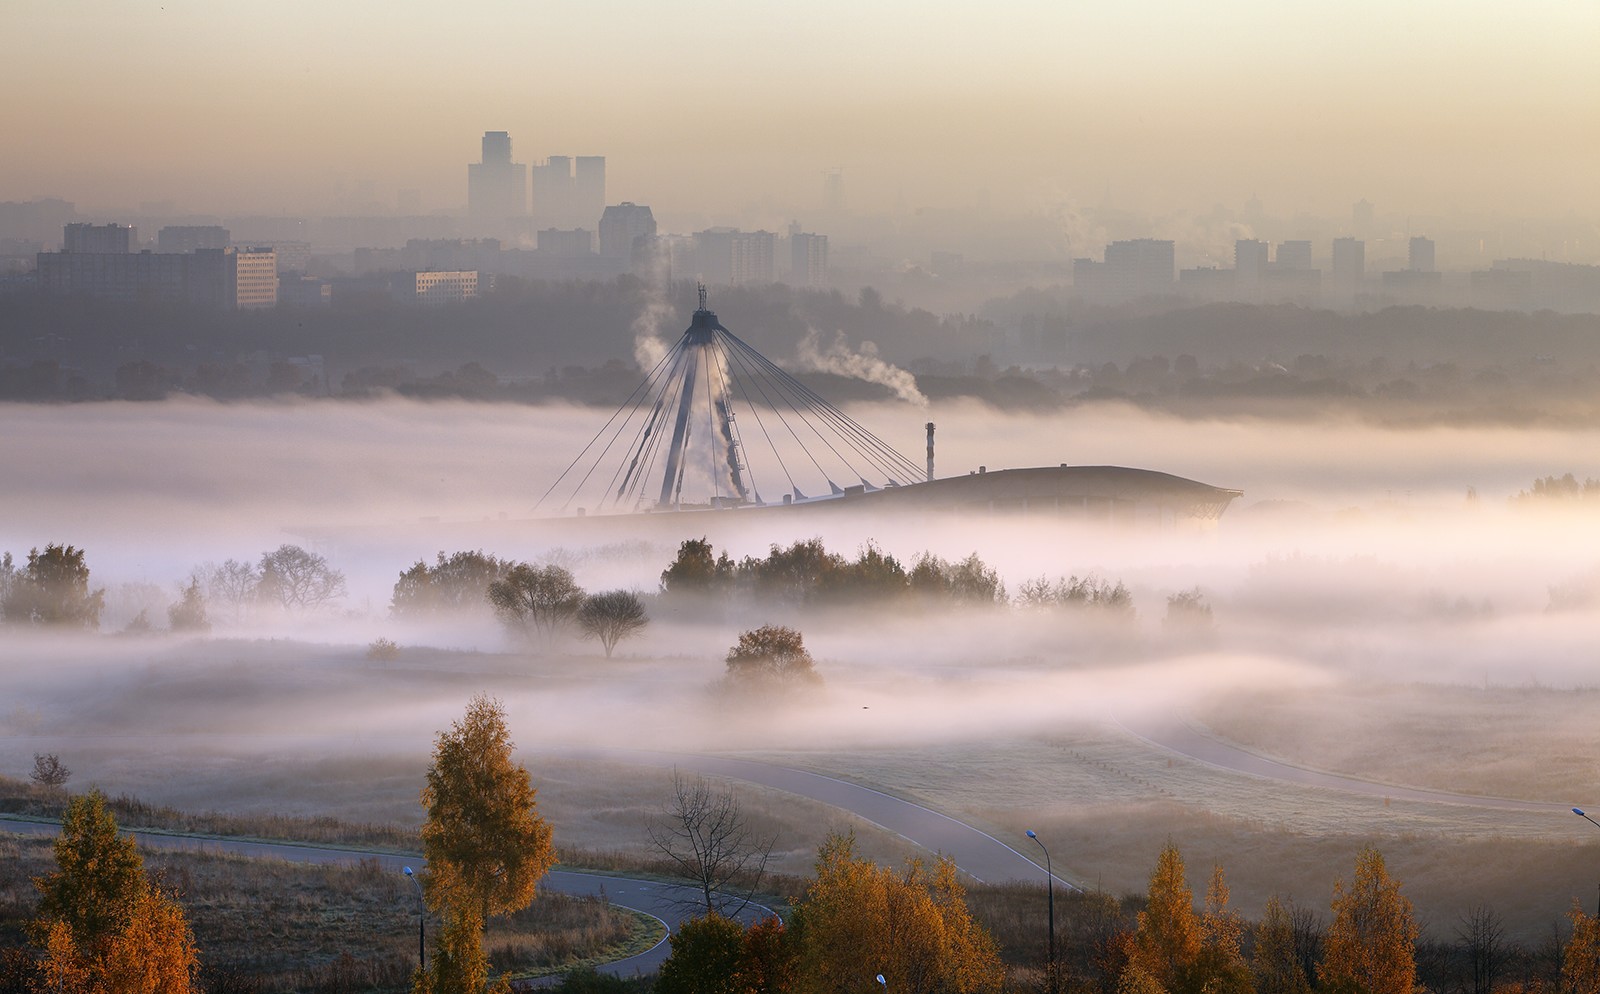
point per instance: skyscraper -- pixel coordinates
(1249, 262)
(1420, 256)
(1349, 262)
(497, 188)
(569, 192)
(621, 225)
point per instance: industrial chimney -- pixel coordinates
(930, 451)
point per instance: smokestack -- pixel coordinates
(930, 451)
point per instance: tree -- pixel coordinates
(1276, 965)
(1372, 941)
(48, 771)
(858, 919)
(1168, 940)
(454, 583)
(53, 589)
(710, 840)
(189, 613)
(232, 584)
(696, 570)
(1482, 936)
(297, 579)
(707, 953)
(611, 617)
(768, 656)
(486, 846)
(1580, 957)
(536, 600)
(104, 927)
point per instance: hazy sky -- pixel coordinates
(1421, 106)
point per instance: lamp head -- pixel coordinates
(882, 981)
(408, 872)
(1579, 812)
(1031, 835)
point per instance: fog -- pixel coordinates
(1356, 593)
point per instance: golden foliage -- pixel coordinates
(486, 846)
(104, 927)
(859, 920)
(1168, 940)
(1373, 939)
(1580, 957)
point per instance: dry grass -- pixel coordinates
(274, 925)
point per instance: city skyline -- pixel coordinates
(1445, 109)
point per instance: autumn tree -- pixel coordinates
(612, 616)
(104, 928)
(1168, 939)
(53, 589)
(1580, 957)
(298, 579)
(710, 840)
(231, 584)
(486, 846)
(770, 656)
(706, 956)
(536, 600)
(1276, 964)
(858, 919)
(1372, 942)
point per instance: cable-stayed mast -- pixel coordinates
(694, 390)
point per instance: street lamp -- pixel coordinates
(883, 983)
(1050, 888)
(422, 924)
(1596, 824)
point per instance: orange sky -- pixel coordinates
(1425, 107)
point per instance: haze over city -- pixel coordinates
(725, 110)
(1039, 436)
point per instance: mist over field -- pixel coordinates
(1368, 579)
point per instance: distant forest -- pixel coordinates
(1035, 350)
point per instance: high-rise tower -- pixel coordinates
(497, 188)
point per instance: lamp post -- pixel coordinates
(1050, 889)
(422, 924)
(1596, 824)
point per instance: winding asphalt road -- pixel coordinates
(669, 904)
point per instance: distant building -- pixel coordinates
(497, 188)
(189, 237)
(227, 278)
(1249, 263)
(103, 239)
(731, 257)
(1419, 258)
(808, 259)
(1142, 267)
(1294, 255)
(1349, 263)
(621, 227)
(566, 242)
(569, 192)
(1209, 283)
(437, 288)
(1501, 289)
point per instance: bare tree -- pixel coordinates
(298, 579)
(612, 617)
(709, 839)
(231, 584)
(48, 771)
(536, 600)
(1482, 936)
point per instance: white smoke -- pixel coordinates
(863, 364)
(649, 342)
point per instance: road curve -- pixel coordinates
(669, 904)
(975, 852)
(1174, 735)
